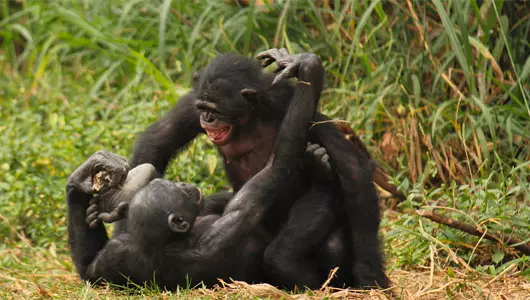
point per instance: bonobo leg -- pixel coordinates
(310, 221)
(368, 267)
(333, 253)
(112, 205)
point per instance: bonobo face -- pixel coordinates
(222, 90)
(223, 110)
(163, 204)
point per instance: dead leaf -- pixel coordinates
(388, 147)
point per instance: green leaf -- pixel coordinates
(497, 257)
(212, 163)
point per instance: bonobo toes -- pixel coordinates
(100, 172)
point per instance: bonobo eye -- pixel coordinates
(177, 223)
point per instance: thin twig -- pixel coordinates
(510, 241)
(504, 272)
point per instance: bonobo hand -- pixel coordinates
(95, 217)
(319, 161)
(113, 205)
(100, 172)
(305, 66)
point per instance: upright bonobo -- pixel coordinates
(161, 238)
(241, 108)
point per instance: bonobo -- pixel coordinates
(157, 241)
(240, 108)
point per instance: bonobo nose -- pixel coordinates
(189, 190)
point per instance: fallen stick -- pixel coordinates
(510, 241)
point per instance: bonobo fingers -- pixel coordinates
(92, 213)
(271, 55)
(287, 72)
(92, 220)
(118, 214)
(320, 159)
(91, 209)
(311, 147)
(288, 65)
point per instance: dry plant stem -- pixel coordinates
(510, 241)
(382, 179)
(501, 274)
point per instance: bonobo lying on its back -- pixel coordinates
(241, 108)
(157, 240)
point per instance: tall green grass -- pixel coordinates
(444, 83)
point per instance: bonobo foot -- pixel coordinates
(100, 172)
(293, 65)
(319, 161)
(113, 205)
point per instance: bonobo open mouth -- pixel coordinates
(219, 132)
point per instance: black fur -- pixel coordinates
(161, 239)
(299, 224)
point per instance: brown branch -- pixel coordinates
(382, 180)
(510, 241)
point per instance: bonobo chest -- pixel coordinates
(248, 155)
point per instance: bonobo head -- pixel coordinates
(233, 95)
(164, 209)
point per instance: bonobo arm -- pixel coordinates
(85, 242)
(246, 209)
(161, 141)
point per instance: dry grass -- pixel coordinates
(414, 284)
(444, 110)
(42, 273)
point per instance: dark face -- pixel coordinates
(224, 111)
(163, 204)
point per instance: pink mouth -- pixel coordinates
(218, 134)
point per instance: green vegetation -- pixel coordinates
(438, 90)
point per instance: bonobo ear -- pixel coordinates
(196, 76)
(250, 95)
(177, 224)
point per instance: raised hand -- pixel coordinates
(304, 66)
